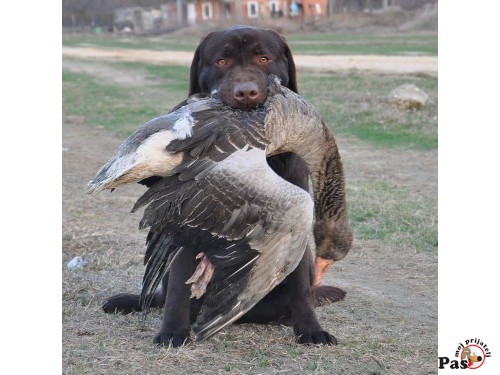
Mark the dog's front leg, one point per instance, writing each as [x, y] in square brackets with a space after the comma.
[176, 325]
[305, 323]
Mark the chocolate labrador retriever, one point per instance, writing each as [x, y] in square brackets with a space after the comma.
[236, 64]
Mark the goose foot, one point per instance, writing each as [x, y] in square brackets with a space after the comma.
[201, 276]
[321, 265]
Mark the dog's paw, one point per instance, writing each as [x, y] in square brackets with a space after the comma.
[317, 337]
[122, 304]
[174, 339]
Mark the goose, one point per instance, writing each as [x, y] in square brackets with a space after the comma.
[217, 194]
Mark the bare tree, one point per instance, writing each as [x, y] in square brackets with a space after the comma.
[77, 9]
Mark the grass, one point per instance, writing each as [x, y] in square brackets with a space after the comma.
[353, 104]
[102, 104]
[121, 110]
[393, 136]
[163, 43]
[389, 213]
[374, 332]
[356, 105]
[363, 44]
[310, 43]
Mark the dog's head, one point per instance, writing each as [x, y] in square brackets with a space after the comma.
[237, 63]
[466, 353]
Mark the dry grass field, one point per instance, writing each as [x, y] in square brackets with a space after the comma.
[387, 323]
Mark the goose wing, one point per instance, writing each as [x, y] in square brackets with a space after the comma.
[226, 202]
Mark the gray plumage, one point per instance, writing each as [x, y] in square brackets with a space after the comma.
[219, 196]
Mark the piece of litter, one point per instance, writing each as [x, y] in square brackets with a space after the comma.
[77, 262]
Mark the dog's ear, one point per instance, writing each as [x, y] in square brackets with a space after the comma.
[292, 74]
[197, 64]
[465, 353]
[194, 87]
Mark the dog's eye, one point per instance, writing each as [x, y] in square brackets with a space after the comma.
[221, 62]
[263, 59]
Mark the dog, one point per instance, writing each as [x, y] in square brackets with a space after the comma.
[471, 358]
[236, 65]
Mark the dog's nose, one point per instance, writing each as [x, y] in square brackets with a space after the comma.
[247, 94]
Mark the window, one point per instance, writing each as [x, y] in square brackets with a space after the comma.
[274, 6]
[206, 11]
[253, 9]
[227, 10]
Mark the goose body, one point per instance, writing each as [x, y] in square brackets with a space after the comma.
[218, 195]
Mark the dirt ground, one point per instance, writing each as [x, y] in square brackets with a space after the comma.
[425, 65]
[387, 323]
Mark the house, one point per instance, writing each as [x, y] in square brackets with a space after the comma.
[141, 19]
[199, 11]
[160, 15]
[156, 15]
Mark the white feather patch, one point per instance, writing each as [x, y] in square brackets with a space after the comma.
[152, 157]
[184, 126]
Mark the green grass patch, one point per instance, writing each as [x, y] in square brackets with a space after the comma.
[316, 44]
[169, 73]
[103, 104]
[396, 136]
[382, 211]
[161, 43]
[172, 78]
[364, 44]
[121, 109]
[175, 78]
[356, 105]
